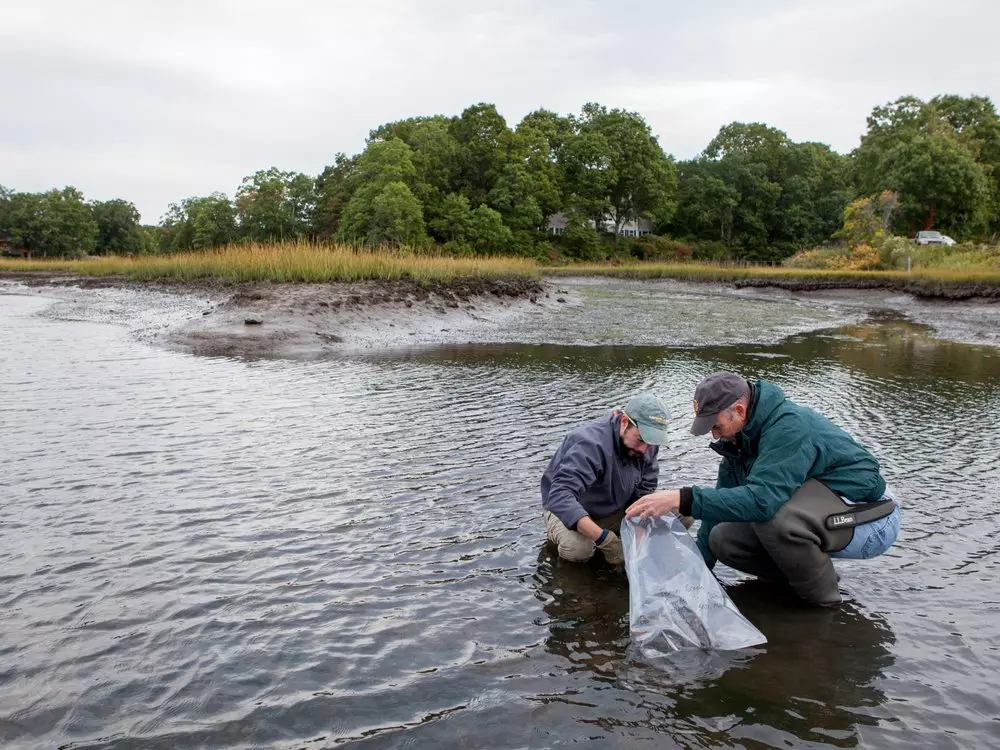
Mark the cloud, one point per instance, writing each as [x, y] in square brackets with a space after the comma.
[158, 101]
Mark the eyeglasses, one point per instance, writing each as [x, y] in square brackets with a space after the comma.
[631, 423]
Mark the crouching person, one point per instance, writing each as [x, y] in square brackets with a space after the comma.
[794, 490]
[599, 470]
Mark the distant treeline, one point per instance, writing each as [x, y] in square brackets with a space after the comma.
[581, 186]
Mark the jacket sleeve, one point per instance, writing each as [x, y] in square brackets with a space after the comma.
[785, 459]
[582, 462]
[649, 479]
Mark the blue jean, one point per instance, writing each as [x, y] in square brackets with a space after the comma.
[872, 539]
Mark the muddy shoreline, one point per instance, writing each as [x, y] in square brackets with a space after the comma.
[301, 321]
[264, 320]
[929, 290]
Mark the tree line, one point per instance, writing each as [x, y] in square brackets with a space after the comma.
[471, 184]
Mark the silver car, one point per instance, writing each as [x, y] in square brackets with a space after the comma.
[933, 238]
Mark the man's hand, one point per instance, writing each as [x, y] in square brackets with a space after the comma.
[657, 504]
[611, 548]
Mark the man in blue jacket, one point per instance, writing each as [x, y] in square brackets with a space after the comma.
[793, 490]
[599, 470]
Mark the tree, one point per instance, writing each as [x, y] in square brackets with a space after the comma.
[483, 146]
[275, 205]
[383, 209]
[616, 168]
[332, 195]
[486, 232]
[939, 181]
[198, 224]
[117, 227]
[942, 157]
[705, 203]
[385, 215]
[513, 195]
[53, 224]
[453, 219]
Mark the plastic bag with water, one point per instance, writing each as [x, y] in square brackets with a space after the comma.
[674, 600]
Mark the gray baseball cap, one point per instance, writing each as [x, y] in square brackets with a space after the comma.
[714, 394]
[650, 415]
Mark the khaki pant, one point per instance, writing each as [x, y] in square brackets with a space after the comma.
[572, 545]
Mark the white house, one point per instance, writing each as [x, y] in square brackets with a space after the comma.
[556, 224]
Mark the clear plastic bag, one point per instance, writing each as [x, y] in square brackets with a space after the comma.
[674, 600]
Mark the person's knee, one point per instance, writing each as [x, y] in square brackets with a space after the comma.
[576, 550]
[716, 539]
[723, 540]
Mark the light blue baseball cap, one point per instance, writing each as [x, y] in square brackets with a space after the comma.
[650, 415]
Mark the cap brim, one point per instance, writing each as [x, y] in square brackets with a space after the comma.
[652, 435]
[703, 424]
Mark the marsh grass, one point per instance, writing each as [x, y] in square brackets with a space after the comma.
[310, 262]
[286, 262]
[723, 274]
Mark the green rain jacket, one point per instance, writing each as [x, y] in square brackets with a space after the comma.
[780, 447]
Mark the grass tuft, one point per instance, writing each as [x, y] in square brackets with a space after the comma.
[285, 262]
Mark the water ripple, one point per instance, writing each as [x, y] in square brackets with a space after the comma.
[214, 553]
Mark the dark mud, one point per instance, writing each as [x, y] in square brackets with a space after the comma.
[923, 289]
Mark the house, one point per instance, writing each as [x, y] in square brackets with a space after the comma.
[556, 224]
[9, 250]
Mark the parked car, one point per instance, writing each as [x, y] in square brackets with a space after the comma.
[933, 238]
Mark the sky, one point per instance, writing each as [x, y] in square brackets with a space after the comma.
[155, 101]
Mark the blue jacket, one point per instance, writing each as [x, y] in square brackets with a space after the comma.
[780, 447]
[592, 475]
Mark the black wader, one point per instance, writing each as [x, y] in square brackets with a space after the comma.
[794, 546]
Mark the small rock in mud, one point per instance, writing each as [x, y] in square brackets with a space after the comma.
[253, 320]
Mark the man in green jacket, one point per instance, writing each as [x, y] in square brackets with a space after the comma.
[793, 490]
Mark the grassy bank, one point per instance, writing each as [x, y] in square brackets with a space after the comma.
[305, 262]
[290, 262]
[727, 274]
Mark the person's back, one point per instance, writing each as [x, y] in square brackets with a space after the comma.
[822, 450]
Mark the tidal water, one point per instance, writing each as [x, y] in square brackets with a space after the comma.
[215, 553]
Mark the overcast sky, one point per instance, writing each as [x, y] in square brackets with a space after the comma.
[154, 101]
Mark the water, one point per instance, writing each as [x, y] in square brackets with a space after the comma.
[214, 553]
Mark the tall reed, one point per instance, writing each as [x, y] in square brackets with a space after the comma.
[285, 262]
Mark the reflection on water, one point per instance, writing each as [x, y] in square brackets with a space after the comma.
[816, 679]
[215, 553]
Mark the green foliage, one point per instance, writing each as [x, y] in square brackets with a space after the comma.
[483, 143]
[384, 215]
[332, 195]
[760, 194]
[654, 248]
[198, 224]
[487, 234]
[616, 170]
[753, 193]
[117, 227]
[513, 195]
[893, 252]
[711, 250]
[275, 205]
[451, 223]
[579, 240]
[55, 224]
[941, 156]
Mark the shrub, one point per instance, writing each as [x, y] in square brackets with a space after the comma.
[653, 247]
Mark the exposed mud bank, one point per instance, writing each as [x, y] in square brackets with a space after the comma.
[924, 289]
